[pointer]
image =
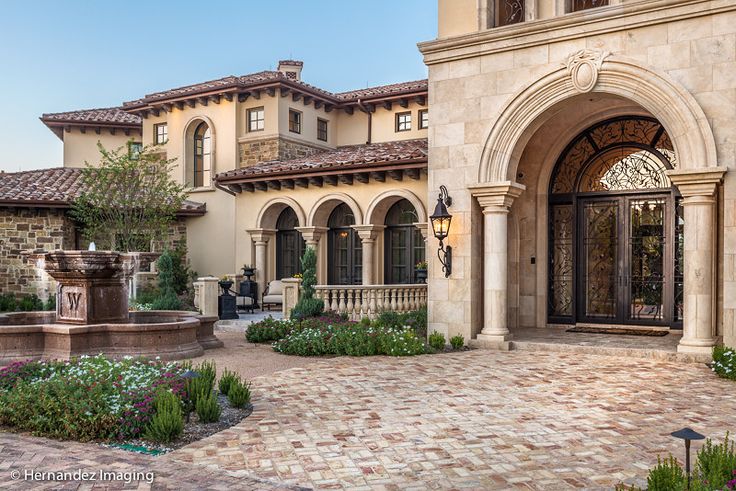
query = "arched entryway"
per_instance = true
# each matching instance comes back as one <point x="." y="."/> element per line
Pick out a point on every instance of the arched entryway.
<point x="344" y="250"/>
<point x="289" y="244"/>
<point x="616" y="227"/>
<point x="404" y="243"/>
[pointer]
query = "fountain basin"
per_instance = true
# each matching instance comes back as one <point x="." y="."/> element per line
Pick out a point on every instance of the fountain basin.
<point x="170" y="335"/>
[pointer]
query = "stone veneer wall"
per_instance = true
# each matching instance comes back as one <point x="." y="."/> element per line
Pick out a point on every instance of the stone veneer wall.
<point x="277" y="148"/>
<point x="30" y="228"/>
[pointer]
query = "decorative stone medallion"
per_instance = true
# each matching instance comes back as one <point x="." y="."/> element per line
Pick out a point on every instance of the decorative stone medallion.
<point x="584" y="66"/>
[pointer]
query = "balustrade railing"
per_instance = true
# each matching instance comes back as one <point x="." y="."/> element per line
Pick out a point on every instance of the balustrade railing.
<point x="358" y="301"/>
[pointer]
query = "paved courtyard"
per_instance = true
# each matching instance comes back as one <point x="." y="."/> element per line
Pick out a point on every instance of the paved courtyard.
<point x="471" y="420"/>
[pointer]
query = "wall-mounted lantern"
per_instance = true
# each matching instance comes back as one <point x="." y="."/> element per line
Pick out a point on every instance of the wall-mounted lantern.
<point x="441" y="219"/>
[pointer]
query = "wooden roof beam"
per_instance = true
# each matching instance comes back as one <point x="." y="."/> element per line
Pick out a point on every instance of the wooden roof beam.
<point x="308" y="100"/>
<point x="256" y="94"/>
<point x="274" y="185"/>
<point x="191" y="102"/>
<point x="362" y="177"/>
<point x="346" y="179"/>
<point x="404" y="102"/>
<point x="331" y="180"/>
<point x="248" y="187"/>
<point x="271" y="91"/>
<point x="228" y="96"/>
<point x="113" y="131"/>
<point x="302" y="182"/>
<point x="243" y="97"/>
<point x="260" y="186"/>
<point x="296" y="96"/>
<point x="413" y="173"/>
<point x="287" y="183"/>
<point x="179" y="105"/>
<point x="144" y="114"/>
<point x="378" y="176"/>
<point x="155" y="112"/>
<point x="98" y="130"/>
<point x="329" y="108"/>
<point x="396" y="175"/>
<point x="318" y="104"/>
<point x="387" y="105"/>
<point x="316" y="181"/>
<point x="215" y="98"/>
<point x="421" y="100"/>
<point x="284" y="91"/>
<point x="203" y="100"/>
<point x="167" y="108"/>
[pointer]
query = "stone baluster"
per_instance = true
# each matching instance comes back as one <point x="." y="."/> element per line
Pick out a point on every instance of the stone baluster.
<point x="341" y="301"/>
<point x="349" y="304"/>
<point x="334" y="306"/>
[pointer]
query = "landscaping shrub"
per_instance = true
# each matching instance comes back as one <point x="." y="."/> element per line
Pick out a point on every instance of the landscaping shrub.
<point x="268" y="330"/>
<point x="50" y="303"/>
<point x="30" y="303"/>
<point x="168" y="423"/>
<point x="666" y="476"/>
<point x="401" y="342"/>
<point x="716" y="464"/>
<point x="208" y="409"/>
<point x="226" y="380"/>
<point x="389" y="318"/>
<point x="437" y="341"/>
<point x="239" y="394"/>
<point x="308" y="306"/>
<point x="207" y="371"/>
<point x="416" y="320"/>
<point x="457" y="342"/>
<point x="167" y="299"/>
<point x="724" y="362"/>
<point x="85" y="399"/>
<point x="147" y="296"/>
<point x="8" y="302"/>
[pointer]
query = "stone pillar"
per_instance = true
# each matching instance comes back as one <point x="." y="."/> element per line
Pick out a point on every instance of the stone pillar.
<point x="368" y="235"/>
<point x="261" y="237"/>
<point x="291" y="295"/>
<point x="312" y="236"/>
<point x="206" y="292"/>
<point x="496" y="200"/>
<point x="699" y="189"/>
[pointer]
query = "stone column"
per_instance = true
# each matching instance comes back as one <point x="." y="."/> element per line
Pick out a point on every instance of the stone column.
<point x="312" y="236"/>
<point x="207" y="292"/>
<point x="368" y="235"/>
<point x="699" y="189"/>
<point x="291" y="295"/>
<point x="261" y="237"/>
<point x="495" y="200"/>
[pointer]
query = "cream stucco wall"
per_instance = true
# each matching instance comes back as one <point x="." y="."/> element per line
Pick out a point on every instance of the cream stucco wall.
<point x="473" y="80"/>
<point x="82" y="147"/>
<point x="353" y="128"/>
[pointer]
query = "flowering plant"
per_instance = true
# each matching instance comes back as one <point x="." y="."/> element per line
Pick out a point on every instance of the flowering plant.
<point x="724" y="362"/>
<point x="421" y="265"/>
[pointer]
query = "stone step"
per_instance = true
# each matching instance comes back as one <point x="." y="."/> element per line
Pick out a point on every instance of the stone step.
<point x="652" y="354"/>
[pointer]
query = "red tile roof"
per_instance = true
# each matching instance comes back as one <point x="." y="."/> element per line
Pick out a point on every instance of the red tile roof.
<point x="383" y="90"/>
<point x="55" y="188"/>
<point x="105" y="115"/>
<point x="348" y="157"/>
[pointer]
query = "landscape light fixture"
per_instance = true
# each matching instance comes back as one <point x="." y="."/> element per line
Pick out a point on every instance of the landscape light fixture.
<point x="441" y="219"/>
<point x="688" y="435"/>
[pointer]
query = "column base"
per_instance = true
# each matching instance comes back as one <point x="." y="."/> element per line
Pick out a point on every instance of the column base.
<point x="701" y="346"/>
<point x="494" y="341"/>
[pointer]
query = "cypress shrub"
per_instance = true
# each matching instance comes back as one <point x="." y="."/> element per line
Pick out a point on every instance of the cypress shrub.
<point x="167" y="424"/>
<point x="239" y="394"/>
<point x="208" y="409"/>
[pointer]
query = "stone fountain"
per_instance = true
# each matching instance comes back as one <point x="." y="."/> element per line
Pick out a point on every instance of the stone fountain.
<point x="92" y="316"/>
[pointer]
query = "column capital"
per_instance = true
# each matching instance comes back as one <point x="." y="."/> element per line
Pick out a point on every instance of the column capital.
<point x="423" y="228"/>
<point x="261" y="234"/>
<point x="311" y="234"/>
<point x="368" y="232"/>
<point x="496" y="195"/>
<point x="697" y="182"/>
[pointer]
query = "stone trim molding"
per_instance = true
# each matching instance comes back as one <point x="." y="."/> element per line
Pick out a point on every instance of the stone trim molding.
<point x="656" y="92"/>
<point x="261" y="235"/>
<point x="269" y="214"/>
<point x="584" y="66"/>
<point x="320" y="212"/>
<point x="697" y="182"/>
<point x="368" y="232"/>
<point x="395" y="193"/>
<point x="496" y="195"/>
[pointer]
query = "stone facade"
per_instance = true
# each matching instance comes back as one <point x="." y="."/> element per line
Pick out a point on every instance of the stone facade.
<point x="277" y="148"/>
<point x="504" y="106"/>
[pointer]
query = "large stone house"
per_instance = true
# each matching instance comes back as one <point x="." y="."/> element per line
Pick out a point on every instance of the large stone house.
<point x="588" y="146"/>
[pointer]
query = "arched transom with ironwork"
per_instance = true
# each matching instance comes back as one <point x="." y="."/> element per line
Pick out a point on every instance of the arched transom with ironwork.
<point x="616" y="227"/>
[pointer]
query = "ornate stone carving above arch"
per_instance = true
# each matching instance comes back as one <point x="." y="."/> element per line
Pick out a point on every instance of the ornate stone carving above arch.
<point x="583" y="67"/>
<point x="270" y="212"/>
<point x="320" y="212"/>
<point x="380" y="205"/>
<point x="656" y="92"/>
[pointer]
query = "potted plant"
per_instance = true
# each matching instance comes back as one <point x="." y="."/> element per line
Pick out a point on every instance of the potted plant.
<point x="420" y="272"/>
<point x="225" y="283"/>
<point x="248" y="271"/>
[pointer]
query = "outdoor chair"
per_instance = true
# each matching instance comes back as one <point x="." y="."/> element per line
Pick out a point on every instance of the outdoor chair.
<point x="273" y="295"/>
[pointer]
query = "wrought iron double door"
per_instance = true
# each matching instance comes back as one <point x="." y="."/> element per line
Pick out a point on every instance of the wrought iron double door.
<point x="625" y="254"/>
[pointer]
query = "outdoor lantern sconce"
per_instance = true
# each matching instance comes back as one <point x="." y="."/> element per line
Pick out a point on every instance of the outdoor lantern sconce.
<point x="687" y="434"/>
<point x="441" y="219"/>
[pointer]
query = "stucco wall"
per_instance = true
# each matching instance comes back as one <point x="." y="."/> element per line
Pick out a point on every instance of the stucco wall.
<point x="467" y="95"/>
<point x="82" y="147"/>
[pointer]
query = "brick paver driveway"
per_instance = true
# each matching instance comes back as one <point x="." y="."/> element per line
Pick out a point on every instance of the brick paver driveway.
<point x="477" y="419"/>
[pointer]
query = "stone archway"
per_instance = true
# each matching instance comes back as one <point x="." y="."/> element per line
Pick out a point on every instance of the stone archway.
<point x="697" y="178"/>
<point x="270" y="212"/>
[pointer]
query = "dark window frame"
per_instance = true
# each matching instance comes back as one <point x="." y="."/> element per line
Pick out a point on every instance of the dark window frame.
<point x="423" y="125"/>
<point x="288" y="259"/>
<point x="134" y="154"/>
<point x="414" y="244"/>
<point x="322" y="129"/>
<point x="354" y="248"/>
<point x="251" y="121"/>
<point x="295" y="124"/>
<point x="199" y="156"/>
<point x="160" y="137"/>
<point x="406" y="123"/>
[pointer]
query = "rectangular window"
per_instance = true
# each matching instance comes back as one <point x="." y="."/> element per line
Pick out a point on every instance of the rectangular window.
<point x="256" y="119"/>
<point x="322" y="129"/>
<point x="160" y="133"/>
<point x="423" y="119"/>
<point x="508" y="12"/>
<point x="576" y="5"/>
<point x="134" y="150"/>
<point x="403" y="121"/>
<point x="295" y="121"/>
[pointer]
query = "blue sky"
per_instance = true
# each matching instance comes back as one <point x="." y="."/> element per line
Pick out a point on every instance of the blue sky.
<point x="63" y="55"/>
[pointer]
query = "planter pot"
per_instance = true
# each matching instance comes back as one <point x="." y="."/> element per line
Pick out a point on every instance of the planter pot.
<point x="225" y="285"/>
<point x="249" y="272"/>
<point x="421" y="275"/>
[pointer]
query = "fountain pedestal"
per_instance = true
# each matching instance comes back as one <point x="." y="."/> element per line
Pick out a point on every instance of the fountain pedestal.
<point x="91" y="286"/>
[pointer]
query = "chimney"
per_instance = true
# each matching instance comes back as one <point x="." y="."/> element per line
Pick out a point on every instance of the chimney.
<point x="291" y="68"/>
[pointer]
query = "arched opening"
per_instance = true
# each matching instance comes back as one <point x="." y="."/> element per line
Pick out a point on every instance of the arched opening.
<point x="616" y="227"/>
<point x="289" y="245"/>
<point x="404" y="244"/>
<point x="202" y="153"/>
<point x="345" y="252"/>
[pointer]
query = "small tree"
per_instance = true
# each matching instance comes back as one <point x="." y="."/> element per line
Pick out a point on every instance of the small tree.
<point x="129" y="199"/>
<point x="308" y="306"/>
<point x="167" y="299"/>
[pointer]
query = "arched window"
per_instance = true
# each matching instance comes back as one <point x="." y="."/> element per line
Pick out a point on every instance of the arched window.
<point x="404" y="243"/>
<point x="289" y="245"/>
<point x="345" y="249"/>
<point x="201" y="162"/>
<point x="616" y="228"/>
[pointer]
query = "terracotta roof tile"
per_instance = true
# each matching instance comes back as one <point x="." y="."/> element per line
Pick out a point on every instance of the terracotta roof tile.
<point x="56" y="187"/>
<point x="105" y="115"/>
<point x="383" y="90"/>
<point x="347" y="157"/>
